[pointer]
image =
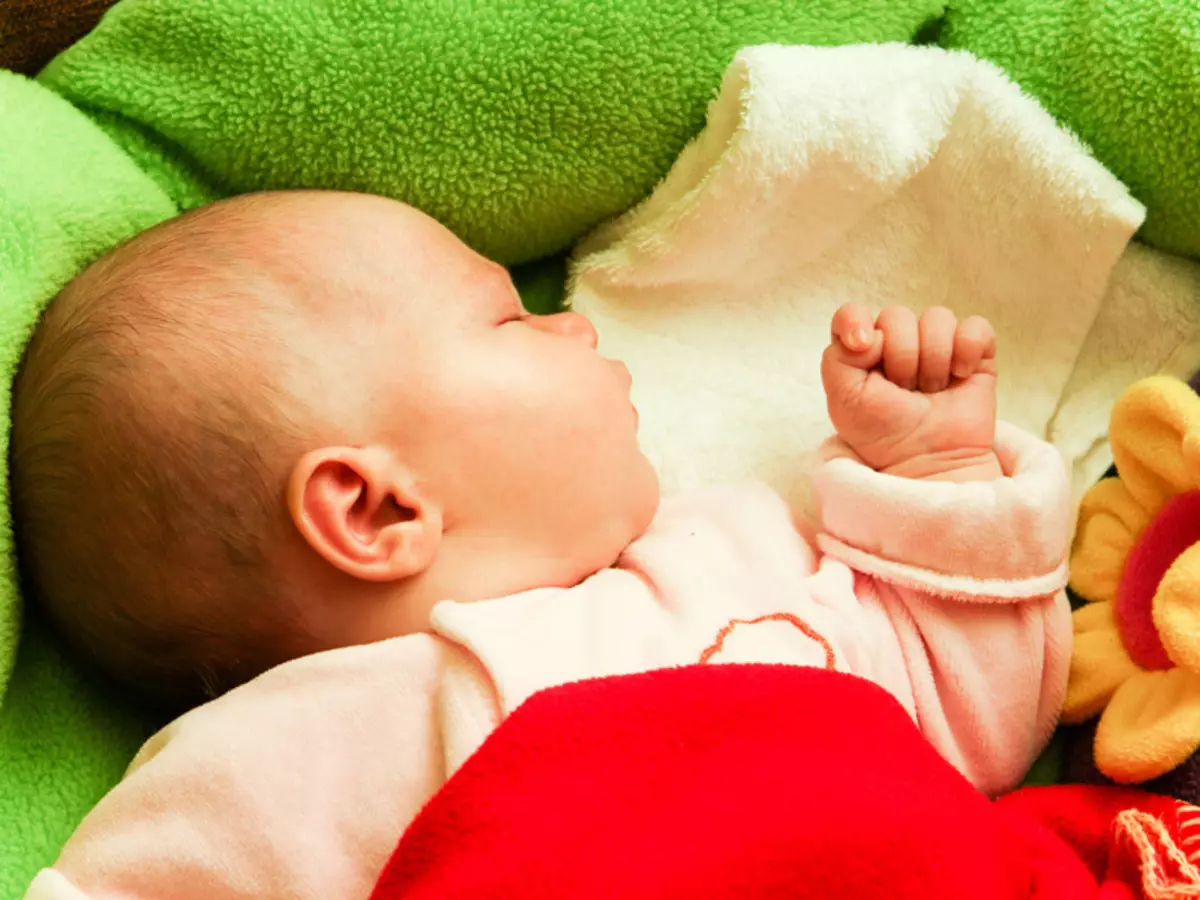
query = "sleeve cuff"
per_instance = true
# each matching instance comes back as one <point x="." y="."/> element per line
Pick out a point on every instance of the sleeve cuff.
<point x="999" y="540"/>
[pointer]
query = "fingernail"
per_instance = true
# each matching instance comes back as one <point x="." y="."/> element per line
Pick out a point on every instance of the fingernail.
<point x="861" y="338"/>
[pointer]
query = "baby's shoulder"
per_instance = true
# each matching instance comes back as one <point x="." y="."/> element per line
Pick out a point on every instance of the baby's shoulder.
<point x="337" y="743"/>
<point x="322" y="687"/>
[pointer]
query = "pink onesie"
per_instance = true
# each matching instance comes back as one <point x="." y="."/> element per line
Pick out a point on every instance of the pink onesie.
<point x="300" y="783"/>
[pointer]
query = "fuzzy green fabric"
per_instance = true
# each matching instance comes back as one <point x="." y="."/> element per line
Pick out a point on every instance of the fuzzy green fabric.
<point x="66" y="194"/>
<point x="1122" y="74"/>
<point x="64" y="741"/>
<point x="518" y="124"/>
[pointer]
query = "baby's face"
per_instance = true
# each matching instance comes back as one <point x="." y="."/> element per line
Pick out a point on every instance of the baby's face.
<point x="521" y="430"/>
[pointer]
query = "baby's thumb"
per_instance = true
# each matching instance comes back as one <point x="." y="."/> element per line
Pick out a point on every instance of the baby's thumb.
<point x="842" y="365"/>
<point x="842" y="375"/>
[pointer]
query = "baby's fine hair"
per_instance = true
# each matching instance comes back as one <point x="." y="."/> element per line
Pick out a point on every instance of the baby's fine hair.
<point x="149" y="462"/>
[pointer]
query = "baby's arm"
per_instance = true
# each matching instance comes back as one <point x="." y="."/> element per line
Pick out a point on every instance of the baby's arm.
<point x="958" y="530"/>
<point x="296" y="785"/>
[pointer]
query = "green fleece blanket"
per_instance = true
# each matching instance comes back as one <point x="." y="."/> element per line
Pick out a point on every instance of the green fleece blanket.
<point x="520" y="123"/>
<point x="1122" y="74"/>
<point x="66" y="193"/>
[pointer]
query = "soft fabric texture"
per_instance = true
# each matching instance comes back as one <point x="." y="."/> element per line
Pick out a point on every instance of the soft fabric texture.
<point x="1148" y="323"/>
<point x="1136" y="662"/>
<point x="518" y="125"/>
<point x="888" y="175"/>
<point x="298" y="784"/>
<point x="63" y="739"/>
<point x="755" y="781"/>
<point x="1124" y="76"/>
<point x="99" y="198"/>
<point x="523" y="124"/>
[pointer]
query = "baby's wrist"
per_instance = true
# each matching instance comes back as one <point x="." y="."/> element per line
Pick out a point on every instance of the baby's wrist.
<point x="962" y="465"/>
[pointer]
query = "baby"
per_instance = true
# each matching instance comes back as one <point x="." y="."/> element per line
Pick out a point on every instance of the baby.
<point x="298" y="422"/>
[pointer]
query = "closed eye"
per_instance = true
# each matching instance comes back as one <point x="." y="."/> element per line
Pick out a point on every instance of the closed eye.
<point x="510" y="307"/>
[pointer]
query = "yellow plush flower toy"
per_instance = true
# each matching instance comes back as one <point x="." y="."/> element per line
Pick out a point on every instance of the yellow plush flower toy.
<point x="1136" y="562"/>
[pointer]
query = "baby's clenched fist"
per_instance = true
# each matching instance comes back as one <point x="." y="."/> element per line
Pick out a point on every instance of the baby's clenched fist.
<point x="914" y="396"/>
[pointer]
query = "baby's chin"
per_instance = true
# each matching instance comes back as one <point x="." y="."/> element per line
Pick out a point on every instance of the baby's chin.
<point x="644" y="496"/>
<point x="624" y="528"/>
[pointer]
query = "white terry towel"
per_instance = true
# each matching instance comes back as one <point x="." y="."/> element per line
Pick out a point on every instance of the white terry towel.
<point x="887" y="174"/>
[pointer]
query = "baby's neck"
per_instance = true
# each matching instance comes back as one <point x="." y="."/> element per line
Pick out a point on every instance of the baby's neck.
<point x="350" y="611"/>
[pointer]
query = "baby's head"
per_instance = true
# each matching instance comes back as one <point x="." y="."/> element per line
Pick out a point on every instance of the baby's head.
<point x="294" y="421"/>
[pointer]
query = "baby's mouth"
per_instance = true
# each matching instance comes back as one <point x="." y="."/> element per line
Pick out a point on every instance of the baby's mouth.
<point x="625" y="373"/>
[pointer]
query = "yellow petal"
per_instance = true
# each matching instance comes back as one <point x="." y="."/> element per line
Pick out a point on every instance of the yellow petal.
<point x="1177" y="609"/>
<point x="1110" y="520"/>
<point x="1151" y="725"/>
<point x="1155" y="438"/>
<point x="1099" y="663"/>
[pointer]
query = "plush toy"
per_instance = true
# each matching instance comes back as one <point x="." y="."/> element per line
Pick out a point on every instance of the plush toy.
<point x="1136" y="564"/>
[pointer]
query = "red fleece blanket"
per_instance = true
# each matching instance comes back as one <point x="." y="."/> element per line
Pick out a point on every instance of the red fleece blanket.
<point x="764" y="782"/>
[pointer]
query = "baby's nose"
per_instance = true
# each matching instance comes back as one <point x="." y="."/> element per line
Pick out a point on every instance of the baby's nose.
<point x="572" y="325"/>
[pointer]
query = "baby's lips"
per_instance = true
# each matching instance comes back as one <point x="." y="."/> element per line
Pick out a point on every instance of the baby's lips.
<point x="625" y="373"/>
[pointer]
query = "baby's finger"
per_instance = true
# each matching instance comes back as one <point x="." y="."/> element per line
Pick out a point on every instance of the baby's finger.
<point x="853" y="327"/>
<point x="937" y="329"/>
<point x="901" y="346"/>
<point x="974" y="347"/>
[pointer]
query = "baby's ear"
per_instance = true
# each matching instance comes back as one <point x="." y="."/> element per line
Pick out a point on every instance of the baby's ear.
<point x="360" y="509"/>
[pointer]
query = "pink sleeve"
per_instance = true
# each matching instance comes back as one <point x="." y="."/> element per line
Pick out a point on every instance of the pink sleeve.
<point x="296" y="785"/>
<point x="971" y="578"/>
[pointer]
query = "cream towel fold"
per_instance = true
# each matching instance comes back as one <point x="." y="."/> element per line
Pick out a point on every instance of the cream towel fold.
<point x="888" y="174"/>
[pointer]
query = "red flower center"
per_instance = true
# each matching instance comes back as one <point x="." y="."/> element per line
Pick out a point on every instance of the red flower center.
<point x="1174" y="529"/>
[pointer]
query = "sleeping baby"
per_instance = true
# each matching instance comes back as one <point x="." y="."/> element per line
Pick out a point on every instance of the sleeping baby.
<point x="306" y="453"/>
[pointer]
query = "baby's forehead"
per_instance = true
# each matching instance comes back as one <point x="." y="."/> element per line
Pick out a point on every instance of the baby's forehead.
<point x="317" y="261"/>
